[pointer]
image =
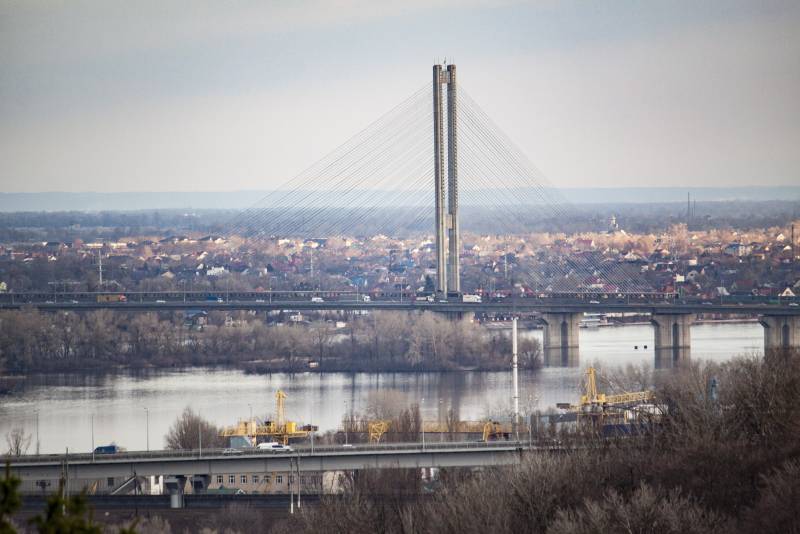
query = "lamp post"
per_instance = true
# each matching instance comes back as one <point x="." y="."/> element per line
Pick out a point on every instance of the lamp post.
<point x="147" y="426"/>
<point x="250" y="425"/>
<point x="422" y="420"/>
<point x="37" y="431"/>
<point x="91" y="418"/>
<point x="312" y="426"/>
<point x="345" y="421"/>
<point x="441" y="425"/>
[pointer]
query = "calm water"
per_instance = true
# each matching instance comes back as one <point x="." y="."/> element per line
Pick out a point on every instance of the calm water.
<point x="119" y="404"/>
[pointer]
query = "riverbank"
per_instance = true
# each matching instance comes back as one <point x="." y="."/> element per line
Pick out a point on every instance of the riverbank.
<point x="382" y="341"/>
<point x="66" y="403"/>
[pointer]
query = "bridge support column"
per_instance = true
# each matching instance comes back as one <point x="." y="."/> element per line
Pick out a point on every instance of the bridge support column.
<point x="781" y="333"/>
<point x="561" y="339"/>
<point x="175" y="485"/>
<point x="672" y="338"/>
<point x="200" y="483"/>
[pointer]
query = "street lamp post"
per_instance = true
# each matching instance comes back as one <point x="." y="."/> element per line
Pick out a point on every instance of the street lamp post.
<point x="345" y="421"/>
<point x="422" y="421"/>
<point x="250" y="425"/>
<point x="147" y="427"/>
<point x="92" y="423"/>
<point x="441" y="430"/>
<point x="37" y="432"/>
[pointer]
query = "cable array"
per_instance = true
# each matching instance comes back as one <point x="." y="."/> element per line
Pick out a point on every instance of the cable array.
<point x="381" y="182"/>
<point x="370" y="184"/>
<point x="495" y="175"/>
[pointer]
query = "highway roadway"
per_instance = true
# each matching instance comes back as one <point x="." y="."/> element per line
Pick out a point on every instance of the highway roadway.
<point x="510" y="305"/>
<point x="328" y="458"/>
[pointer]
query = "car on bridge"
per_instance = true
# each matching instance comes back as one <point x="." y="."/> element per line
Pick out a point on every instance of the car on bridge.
<point x="108" y="449"/>
<point x="274" y="447"/>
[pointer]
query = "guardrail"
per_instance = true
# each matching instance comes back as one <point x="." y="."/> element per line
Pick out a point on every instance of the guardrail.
<point x="303" y="450"/>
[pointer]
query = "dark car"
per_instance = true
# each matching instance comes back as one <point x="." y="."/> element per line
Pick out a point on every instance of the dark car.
<point x="108" y="449"/>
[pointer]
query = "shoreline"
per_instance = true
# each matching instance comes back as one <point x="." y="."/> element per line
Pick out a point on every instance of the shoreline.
<point x="263" y="366"/>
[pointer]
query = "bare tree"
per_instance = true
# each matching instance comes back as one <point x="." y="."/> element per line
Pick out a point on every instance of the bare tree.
<point x="18" y="442"/>
<point x="190" y="429"/>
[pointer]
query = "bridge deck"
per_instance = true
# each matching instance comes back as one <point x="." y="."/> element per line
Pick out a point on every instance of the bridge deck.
<point x="196" y="462"/>
<point x="507" y="306"/>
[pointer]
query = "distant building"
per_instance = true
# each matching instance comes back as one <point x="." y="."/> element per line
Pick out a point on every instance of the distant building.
<point x="737" y="249"/>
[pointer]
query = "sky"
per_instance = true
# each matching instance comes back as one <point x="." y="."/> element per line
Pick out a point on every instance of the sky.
<point x="202" y="95"/>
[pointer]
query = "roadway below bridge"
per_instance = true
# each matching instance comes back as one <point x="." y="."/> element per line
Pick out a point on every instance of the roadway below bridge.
<point x="193" y="463"/>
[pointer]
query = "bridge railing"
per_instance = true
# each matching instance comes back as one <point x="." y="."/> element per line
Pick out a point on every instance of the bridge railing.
<point x="305" y="450"/>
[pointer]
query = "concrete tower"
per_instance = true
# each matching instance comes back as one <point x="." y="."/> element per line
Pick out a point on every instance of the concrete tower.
<point x="439" y="188"/>
<point x="454" y="240"/>
<point x="448" y="278"/>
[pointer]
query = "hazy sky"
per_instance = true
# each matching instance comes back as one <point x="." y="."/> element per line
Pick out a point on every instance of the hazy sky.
<point x="154" y="95"/>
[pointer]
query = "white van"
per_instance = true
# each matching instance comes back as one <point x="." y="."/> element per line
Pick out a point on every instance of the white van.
<point x="274" y="447"/>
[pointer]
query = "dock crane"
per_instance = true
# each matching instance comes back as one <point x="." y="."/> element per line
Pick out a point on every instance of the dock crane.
<point x="597" y="406"/>
<point x="279" y="430"/>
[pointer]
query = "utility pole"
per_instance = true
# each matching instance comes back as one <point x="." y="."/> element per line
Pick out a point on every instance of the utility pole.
<point x="515" y="374"/>
<point x="345" y="421"/>
<point x="422" y="421"/>
<point x="147" y="427"/>
<point x="37" y="432"/>
<point x="299" y="485"/>
<point x="688" y="208"/>
<point x="100" y="266"/>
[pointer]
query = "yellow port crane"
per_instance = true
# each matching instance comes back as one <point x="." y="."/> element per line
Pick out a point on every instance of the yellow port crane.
<point x="490" y="430"/>
<point x="279" y="430"/>
<point x="596" y="405"/>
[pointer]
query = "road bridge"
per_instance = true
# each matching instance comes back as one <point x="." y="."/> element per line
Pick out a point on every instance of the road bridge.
<point x="671" y="319"/>
<point x="195" y="463"/>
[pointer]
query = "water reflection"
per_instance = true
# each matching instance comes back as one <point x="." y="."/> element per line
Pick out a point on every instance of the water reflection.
<point x="561" y="357"/>
<point x="66" y="403"/>
<point x="672" y="357"/>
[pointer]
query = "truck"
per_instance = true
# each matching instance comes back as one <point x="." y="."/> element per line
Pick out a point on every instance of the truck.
<point x="115" y="297"/>
<point x="109" y="449"/>
<point x="471" y="298"/>
<point x="317" y="299"/>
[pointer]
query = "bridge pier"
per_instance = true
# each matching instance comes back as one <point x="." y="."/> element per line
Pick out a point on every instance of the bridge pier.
<point x="175" y="485"/>
<point x="781" y="332"/>
<point x="672" y="338"/>
<point x="561" y="339"/>
<point x="200" y="483"/>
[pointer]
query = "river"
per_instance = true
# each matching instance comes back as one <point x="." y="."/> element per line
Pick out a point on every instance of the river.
<point x="124" y="408"/>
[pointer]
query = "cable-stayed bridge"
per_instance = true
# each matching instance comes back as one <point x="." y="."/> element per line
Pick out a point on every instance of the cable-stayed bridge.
<point x="438" y="175"/>
<point x="431" y="207"/>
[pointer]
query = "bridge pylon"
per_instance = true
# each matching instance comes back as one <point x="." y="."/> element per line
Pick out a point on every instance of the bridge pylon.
<point x="448" y="269"/>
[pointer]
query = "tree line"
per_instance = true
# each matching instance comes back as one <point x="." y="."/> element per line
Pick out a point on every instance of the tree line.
<point x="725" y="458"/>
<point x="66" y="341"/>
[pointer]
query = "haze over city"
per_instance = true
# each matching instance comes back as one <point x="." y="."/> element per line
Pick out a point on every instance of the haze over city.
<point x="194" y="96"/>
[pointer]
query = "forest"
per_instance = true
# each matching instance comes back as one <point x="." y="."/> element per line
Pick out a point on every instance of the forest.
<point x="32" y="341"/>
<point x="723" y="459"/>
